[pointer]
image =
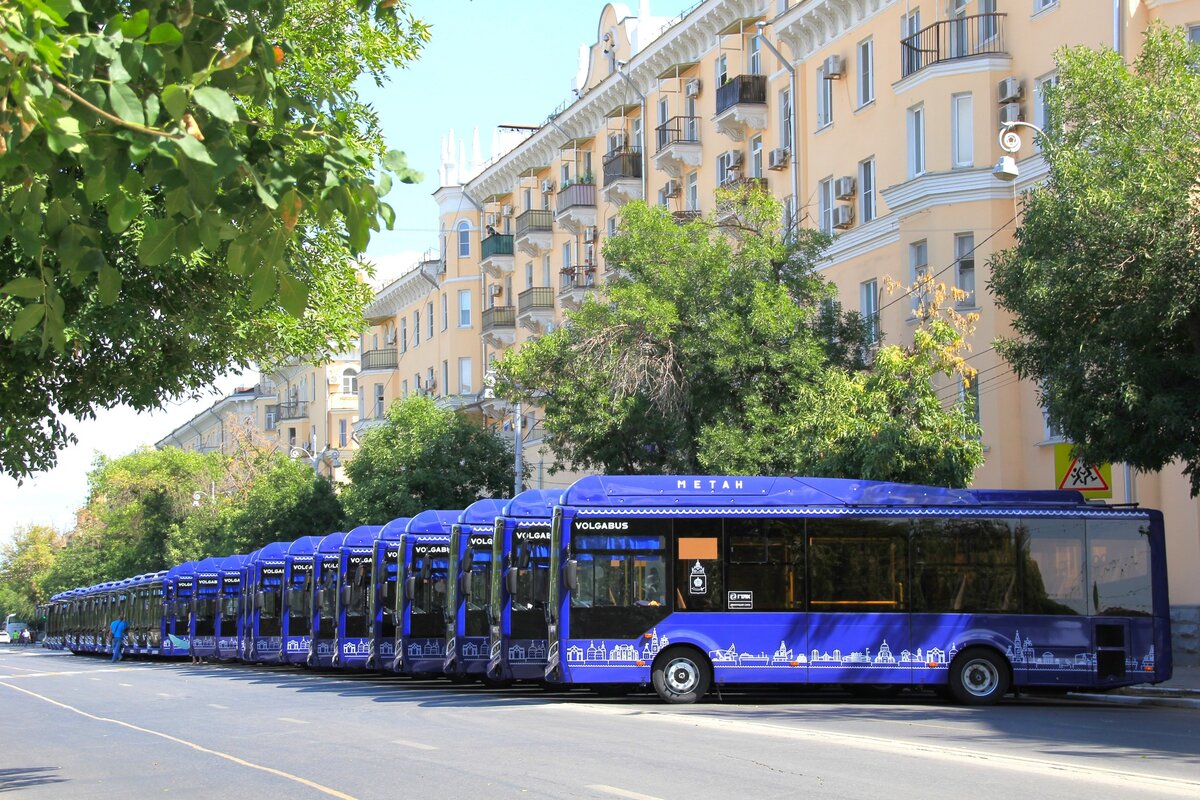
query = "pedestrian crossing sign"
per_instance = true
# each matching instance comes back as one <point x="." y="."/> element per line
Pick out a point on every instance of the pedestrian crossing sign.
<point x="1072" y="472"/>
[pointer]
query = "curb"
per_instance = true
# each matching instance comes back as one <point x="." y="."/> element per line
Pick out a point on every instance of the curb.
<point x="1165" y="701"/>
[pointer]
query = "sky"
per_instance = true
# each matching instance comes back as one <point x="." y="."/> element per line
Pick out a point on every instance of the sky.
<point x="489" y="63"/>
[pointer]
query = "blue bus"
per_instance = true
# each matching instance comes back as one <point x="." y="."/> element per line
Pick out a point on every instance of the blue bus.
<point x="683" y="581"/>
<point x="296" y="624"/>
<point x="178" y="586"/>
<point x="351" y="645"/>
<point x="520" y="587"/>
<point x="228" y="628"/>
<point x="467" y="591"/>
<point x="264" y="625"/>
<point x="246" y="580"/>
<point x="381" y="642"/>
<point x="324" y="603"/>
<point x="206" y="601"/>
<point x="424" y="563"/>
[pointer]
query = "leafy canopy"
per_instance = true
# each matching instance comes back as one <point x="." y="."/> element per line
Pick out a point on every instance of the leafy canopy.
<point x="719" y="353"/>
<point x="184" y="188"/>
<point x="1102" y="280"/>
<point x="424" y="457"/>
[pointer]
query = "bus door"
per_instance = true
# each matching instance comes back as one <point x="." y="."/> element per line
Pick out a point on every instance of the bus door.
<point x="423" y="615"/>
<point x="523" y="616"/>
<point x="297" y="611"/>
<point x="229" y="620"/>
<point x="352" y="647"/>
<point x="383" y="609"/>
<point x="268" y="632"/>
<point x="204" y="616"/>
<point x="324" y="610"/>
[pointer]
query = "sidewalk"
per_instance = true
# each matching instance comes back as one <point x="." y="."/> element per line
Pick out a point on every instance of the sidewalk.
<point x="1182" y="691"/>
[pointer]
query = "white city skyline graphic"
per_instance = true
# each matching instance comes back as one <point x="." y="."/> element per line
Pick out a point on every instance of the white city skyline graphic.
<point x="432" y="647"/>
<point x="298" y="644"/>
<point x="356" y="647"/>
<point x="533" y="650"/>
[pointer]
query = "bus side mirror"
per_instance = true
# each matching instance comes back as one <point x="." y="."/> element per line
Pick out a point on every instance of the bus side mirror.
<point x="258" y="600"/>
<point x="510" y="581"/>
<point x="464" y="585"/>
<point x="468" y="561"/>
<point x="410" y="587"/>
<point x="345" y="596"/>
<point x="571" y="574"/>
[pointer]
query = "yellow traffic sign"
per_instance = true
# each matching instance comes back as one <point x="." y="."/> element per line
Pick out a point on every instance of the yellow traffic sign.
<point x="1071" y="472"/>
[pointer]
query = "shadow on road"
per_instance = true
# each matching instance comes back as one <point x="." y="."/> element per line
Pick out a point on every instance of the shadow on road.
<point x="14" y="780"/>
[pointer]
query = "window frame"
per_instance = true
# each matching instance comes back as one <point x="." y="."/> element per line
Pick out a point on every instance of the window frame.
<point x="958" y="159"/>
<point x="866" y="72"/>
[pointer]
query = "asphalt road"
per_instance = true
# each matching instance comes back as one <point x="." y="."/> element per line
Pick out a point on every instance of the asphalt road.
<point x="80" y="727"/>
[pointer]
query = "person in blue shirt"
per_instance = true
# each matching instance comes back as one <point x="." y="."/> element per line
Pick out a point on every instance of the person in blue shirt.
<point x="118" y="628"/>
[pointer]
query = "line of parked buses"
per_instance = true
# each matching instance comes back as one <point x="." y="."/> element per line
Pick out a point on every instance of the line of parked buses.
<point x="683" y="582"/>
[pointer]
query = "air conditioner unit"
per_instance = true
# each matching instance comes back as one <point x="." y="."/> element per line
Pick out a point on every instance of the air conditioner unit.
<point x="506" y="210"/>
<point x="547" y="186"/>
<point x="843" y="187"/>
<point x="1009" y="90"/>
<point x="495" y="290"/>
<point x="777" y="158"/>
<point x="843" y="216"/>
<point x="833" y="67"/>
<point x="589" y="233"/>
<point x="672" y="189"/>
<point x="733" y="158"/>
<point x="692" y="88"/>
<point x="1009" y="113"/>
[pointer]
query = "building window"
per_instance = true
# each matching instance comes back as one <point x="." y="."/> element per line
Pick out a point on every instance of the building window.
<point x="445" y="377"/>
<point x="464" y="376"/>
<point x="866" y="72"/>
<point x="1041" y="104"/>
<point x="445" y="313"/>
<point x="430" y="383"/>
<point x="350" y="381"/>
<point x="693" y="191"/>
<point x="754" y="56"/>
<point x="825" y="205"/>
<point x="789" y="216"/>
<point x="1038" y="5"/>
<point x="664" y="113"/>
<point x="1193" y="34"/>
<point x="527" y="196"/>
<point x="271" y="417"/>
<point x="756" y="157"/>
<point x="416" y="328"/>
<point x="824" y="92"/>
<point x="987" y="21"/>
<point x="612" y="225"/>
<point x="464" y="307"/>
<point x="635" y="128"/>
<point x="464" y="239"/>
<point x="962" y="130"/>
<point x="868" y="296"/>
<point x="404" y="388"/>
<point x="404" y="334"/>
<point x="724" y="168"/>
<point x="343" y="439"/>
<point x="918" y="260"/>
<point x="529" y="275"/>
<point x="545" y="270"/>
<point x="721" y="70"/>
<point x="428" y="321"/>
<point x="916" y="141"/>
<point x="964" y="264"/>
<point x="968" y="397"/>
<point x="866" y="190"/>
<point x="566" y="256"/>
<point x="785" y="119"/>
<point x="377" y="405"/>
<point x="910" y="26"/>
<point x="1050" y="431"/>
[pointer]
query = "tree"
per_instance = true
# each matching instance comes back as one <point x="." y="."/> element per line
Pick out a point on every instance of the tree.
<point x="25" y="565"/>
<point x="716" y="353"/>
<point x="203" y="163"/>
<point x="424" y="457"/>
<point x="1102" y="279"/>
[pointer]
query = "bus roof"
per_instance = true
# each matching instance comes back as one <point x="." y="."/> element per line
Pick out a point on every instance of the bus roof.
<point x="209" y="565"/>
<point x="232" y="563"/>
<point x="433" y="522"/>
<point x="331" y="543"/>
<point x="535" y="503"/>
<point x="482" y="512"/>
<point x="272" y="551"/>
<point x="304" y="546"/>
<point x="362" y="536"/>
<point x="182" y="570"/>
<point x="391" y="531"/>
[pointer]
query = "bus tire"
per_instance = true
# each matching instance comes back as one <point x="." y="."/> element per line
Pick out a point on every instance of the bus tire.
<point x="978" y="677"/>
<point x="681" y="675"/>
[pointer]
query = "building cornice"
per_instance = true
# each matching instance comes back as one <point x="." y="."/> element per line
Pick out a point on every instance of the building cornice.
<point x="399" y="294"/>
<point x="956" y="186"/>
<point x="812" y="24"/>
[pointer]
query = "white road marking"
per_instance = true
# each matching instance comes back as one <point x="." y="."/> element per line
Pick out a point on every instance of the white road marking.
<point x="992" y="758"/>
<point x="214" y="705"/>
<point x="293" y="721"/>
<point x="130" y="685"/>
<point x="163" y="694"/>
<point x="616" y="792"/>
<point x="414" y="745"/>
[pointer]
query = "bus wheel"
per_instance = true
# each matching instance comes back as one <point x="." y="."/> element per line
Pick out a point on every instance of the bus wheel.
<point x="978" y="677"/>
<point x="681" y="675"/>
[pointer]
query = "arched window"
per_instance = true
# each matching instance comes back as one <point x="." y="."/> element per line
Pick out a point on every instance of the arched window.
<point x="350" y="381"/>
<point x="464" y="239"/>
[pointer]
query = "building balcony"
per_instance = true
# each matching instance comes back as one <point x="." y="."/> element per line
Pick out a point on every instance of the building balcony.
<point x="496" y="255"/>
<point x="535" y="308"/>
<point x="500" y="326"/>
<point x="374" y="417"/>
<point x="952" y="39"/>
<point x="433" y="270"/>
<point x="295" y="410"/>
<point x="576" y="207"/>
<point x="456" y="402"/>
<point x="742" y="106"/>
<point x="623" y="175"/>
<point x="684" y="217"/>
<point x="382" y="360"/>
<point x="535" y="232"/>
<point x="678" y="145"/>
<point x="576" y="283"/>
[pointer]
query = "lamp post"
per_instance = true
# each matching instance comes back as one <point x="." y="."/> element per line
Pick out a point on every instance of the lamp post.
<point x="329" y="454"/>
<point x="1010" y="142"/>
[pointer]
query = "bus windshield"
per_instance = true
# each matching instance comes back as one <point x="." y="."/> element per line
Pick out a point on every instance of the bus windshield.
<point x="300" y="599"/>
<point x="358" y="585"/>
<point x="430" y="566"/>
<point x="622" y="582"/>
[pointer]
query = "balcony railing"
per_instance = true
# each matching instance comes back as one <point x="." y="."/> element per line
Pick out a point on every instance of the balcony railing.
<point x="577" y="194"/>
<point x="536" y="298"/>
<point x="747" y="183"/>
<point x="742" y="89"/>
<point x="499" y="317"/>
<point x="950" y="39"/>
<point x="498" y="244"/>
<point x="297" y="410"/>
<point x="678" y="130"/>
<point x="581" y="277"/>
<point x="684" y="217"/>
<point x="535" y="219"/>
<point x="623" y="163"/>
<point x="379" y="359"/>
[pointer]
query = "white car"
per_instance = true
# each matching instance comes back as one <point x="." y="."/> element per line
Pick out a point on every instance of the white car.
<point x="5" y="638"/>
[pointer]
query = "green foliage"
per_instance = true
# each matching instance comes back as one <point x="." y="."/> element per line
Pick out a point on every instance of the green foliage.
<point x="1102" y="280"/>
<point x="726" y="354"/>
<point x="25" y="565"/>
<point x="205" y="163"/>
<point x="424" y="457"/>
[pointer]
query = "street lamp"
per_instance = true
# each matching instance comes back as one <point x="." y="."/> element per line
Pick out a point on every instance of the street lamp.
<point x="1010" y="142"/>
<point x="329" y="454"/>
